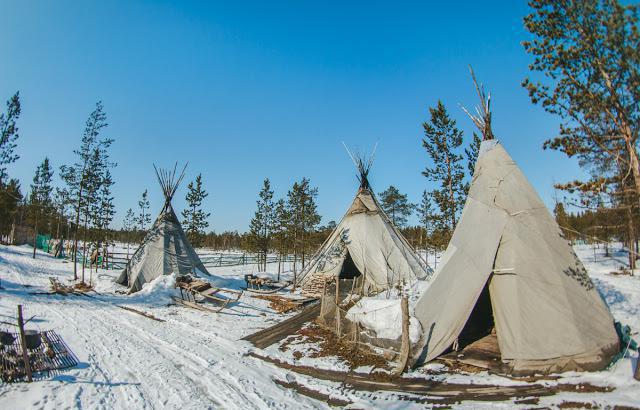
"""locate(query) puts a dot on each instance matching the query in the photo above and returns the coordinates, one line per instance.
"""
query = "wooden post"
(23, 341)
(338, 306)
(636, 375)
(404, 350)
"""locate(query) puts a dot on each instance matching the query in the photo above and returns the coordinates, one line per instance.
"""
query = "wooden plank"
(266, 337)
(147, 315)
(433, 391)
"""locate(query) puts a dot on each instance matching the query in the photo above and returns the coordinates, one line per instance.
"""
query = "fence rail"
(118, 260)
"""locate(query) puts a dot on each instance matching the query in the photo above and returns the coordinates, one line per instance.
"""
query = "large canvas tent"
(509, 268)
(165, 249)
(365, 244)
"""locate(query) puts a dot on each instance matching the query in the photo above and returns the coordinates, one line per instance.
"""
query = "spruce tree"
(129, 225)
(425, 217)
(396, 206)
(40, 197)
(143, 217)
(262, 224)
(442, 142)
(195, 219)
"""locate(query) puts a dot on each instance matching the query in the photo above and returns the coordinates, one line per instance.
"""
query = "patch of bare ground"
(329, 344)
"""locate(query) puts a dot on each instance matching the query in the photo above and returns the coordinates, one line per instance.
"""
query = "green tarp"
(42, 242)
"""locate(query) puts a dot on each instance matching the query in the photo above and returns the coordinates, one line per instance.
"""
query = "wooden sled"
(199, 306)
(191, 288)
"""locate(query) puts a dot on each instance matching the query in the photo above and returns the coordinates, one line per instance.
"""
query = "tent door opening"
(349, 269)
(480, 323)
(350, 278)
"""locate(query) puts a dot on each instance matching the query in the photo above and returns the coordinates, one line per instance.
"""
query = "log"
(138, 312)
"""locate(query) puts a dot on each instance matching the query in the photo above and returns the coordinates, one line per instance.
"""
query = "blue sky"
(245, 91)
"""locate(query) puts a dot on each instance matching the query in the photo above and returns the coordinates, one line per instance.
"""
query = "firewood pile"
(62, 289)
(315, 286)
(283, 304)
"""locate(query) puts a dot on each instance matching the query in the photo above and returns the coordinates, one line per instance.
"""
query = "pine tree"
(195, 219)
(106, 209)
(61, 202)
(40, 197)
(8, 135)
(282, 220)
(472, 152)
(442, 142)
(81, 177)
(10, 200)
(304, 218)
(589, 52)
(143, 217)
(396, 206)
(262, 224)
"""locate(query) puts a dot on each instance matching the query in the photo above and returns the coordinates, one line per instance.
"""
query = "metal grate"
(48, 359)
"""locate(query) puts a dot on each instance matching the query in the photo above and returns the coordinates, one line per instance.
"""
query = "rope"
(594, 238)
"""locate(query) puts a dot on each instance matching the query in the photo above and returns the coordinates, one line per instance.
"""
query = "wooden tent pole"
(404, 350)
(338, 306)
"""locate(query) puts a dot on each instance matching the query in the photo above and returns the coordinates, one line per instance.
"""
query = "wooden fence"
(118, 260)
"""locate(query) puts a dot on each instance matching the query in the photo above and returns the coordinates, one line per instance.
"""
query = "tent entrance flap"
(480, 322)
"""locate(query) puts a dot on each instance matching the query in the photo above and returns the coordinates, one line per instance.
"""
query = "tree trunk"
(84, 244)
(35, 236)
(632, 235)
(634, 163)
(75, 235)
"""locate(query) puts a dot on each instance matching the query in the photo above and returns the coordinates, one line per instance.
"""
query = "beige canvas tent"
(366, 245)
(165, 249)
(508, 268)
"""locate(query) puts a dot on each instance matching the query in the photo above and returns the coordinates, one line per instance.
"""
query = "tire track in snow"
(189, 373)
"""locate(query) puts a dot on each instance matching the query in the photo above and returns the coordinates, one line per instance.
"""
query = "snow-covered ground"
(197, 360)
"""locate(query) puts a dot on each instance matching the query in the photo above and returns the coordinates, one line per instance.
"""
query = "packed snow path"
(128, 361)
(196, 359)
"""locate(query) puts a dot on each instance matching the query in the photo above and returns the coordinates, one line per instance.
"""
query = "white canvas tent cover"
(378, 250)
(548, 315)
(165, 249)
